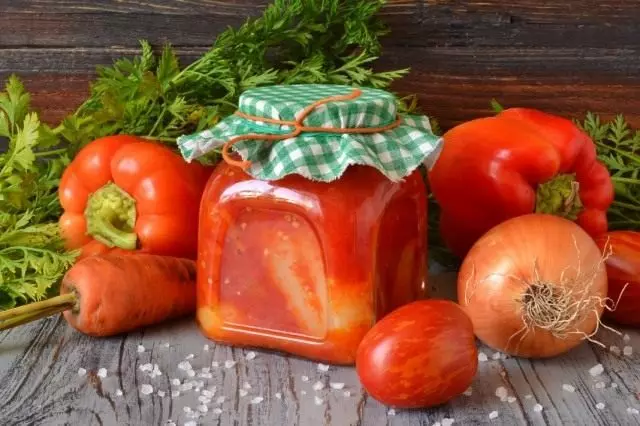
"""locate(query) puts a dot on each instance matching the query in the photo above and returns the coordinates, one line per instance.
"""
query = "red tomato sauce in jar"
(308, 267)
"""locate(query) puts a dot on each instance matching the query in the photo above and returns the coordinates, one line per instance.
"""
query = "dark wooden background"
(563, 56)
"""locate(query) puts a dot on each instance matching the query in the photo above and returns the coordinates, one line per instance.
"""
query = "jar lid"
(317, 131)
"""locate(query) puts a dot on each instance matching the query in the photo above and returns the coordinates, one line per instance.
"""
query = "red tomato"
(623, 269)
(420, 355)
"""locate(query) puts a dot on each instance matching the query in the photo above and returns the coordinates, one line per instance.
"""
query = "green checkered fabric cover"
(320, 156)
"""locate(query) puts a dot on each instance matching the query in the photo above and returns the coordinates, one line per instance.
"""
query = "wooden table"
(41, 384)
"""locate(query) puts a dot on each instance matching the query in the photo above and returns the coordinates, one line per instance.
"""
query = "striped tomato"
(420, 355)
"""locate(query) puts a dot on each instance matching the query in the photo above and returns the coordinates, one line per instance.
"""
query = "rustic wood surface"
(565, 57)
(39, 366)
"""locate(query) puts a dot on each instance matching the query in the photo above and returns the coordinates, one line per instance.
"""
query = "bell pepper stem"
(111, 216)
(559, 196)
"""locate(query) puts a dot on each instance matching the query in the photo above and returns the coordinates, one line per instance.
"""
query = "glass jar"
(307, 267)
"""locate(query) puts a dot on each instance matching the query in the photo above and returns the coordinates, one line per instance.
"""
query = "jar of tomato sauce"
(319, 228)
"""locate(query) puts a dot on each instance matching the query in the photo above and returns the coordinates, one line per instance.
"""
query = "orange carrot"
(113, 294)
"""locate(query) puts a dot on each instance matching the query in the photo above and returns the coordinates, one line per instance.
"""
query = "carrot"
(115, 293)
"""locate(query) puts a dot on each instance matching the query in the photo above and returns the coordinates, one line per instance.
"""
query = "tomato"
(623, 270)
(420, 355)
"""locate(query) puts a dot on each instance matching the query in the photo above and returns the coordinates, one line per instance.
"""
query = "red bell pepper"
(518, 162)
(126, 193)
(623, 270)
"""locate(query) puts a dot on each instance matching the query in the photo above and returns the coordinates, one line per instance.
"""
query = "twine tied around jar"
(299, 127)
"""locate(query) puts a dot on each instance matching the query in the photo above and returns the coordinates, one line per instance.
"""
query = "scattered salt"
(166, 344)
(568, 388)
(81, 371)
(528, 396)
(482, 357)
(148, 367)
(203, 408)
(614, 350)
(257, 400)
(511, 399)
(336, 385)
(437, 424)
(186, 409)
(632, 410)
(220, 400)
(191, 423)
(170, 423)
(208, 393)
(229, 363)
(600, 405)
(278, 395)
(468, 392)
(323, 367)
(119, 392)
(496, 355)
(614, 385)
(303, 392)
(391, 412)
(205, 375)
(140, 349)
(191, 373)
(175, 382)
(346, 394)
(205, 347)
(246, 385)
(146, 389)
(596, 370)
(250, 356)
(600, 385)
(318, 386)
(318, 400)
(501, 393)
(204, 399)
(186, 386)
(175, 394)
(305, 378)
(447, 422)
(627, 351)
(626, 338)
(215, 364)
(243, 392)
(537, 408)
(184, 365)
(217, 411)
(155, 372)
(493, 415)
(161, 394)
(190, 356)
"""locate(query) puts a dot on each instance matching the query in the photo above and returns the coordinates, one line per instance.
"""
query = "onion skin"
(623, 267)
(420, 355)
(498, 269)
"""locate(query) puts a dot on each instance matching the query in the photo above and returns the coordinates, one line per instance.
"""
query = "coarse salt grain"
(191, 373)
(205, 375)
(303, 392)
(220, 400)
(204, 399)
(215, 364)
(243, 392)
(447, 422)
(186, 409)
(632, 410)
(614, 385)
(205, 347)
(493, 415)
(229, 363)
(257, 400)
(246, 385)
(323, 367)
(140, 349)
(175, 394)
(482, 357)
(186, 386)
(318, 386)
(537, 408)
(148, 367)
(305, 378)
(217, 411)
(166, 344)
(596, 370)
(170, 423)
(346, 394)
(496, 356)
(191, 423)
(336, 385)
(175, 382)
(250, 356)
(82, 371)
(600, 385)
(391, 412)
(190, 356)
(278, 395)
(203, 408)
(600, 405)
(626, 338)
(511, 399)
(627, 351)
(119, 392)
(146, 389)
(102, 373)
(528, 396)
(184, 365)
(318, 400)
(468, 392)
(614, 350)
(568, 388)
(208, 393)
(501, 392)
(161, 394)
